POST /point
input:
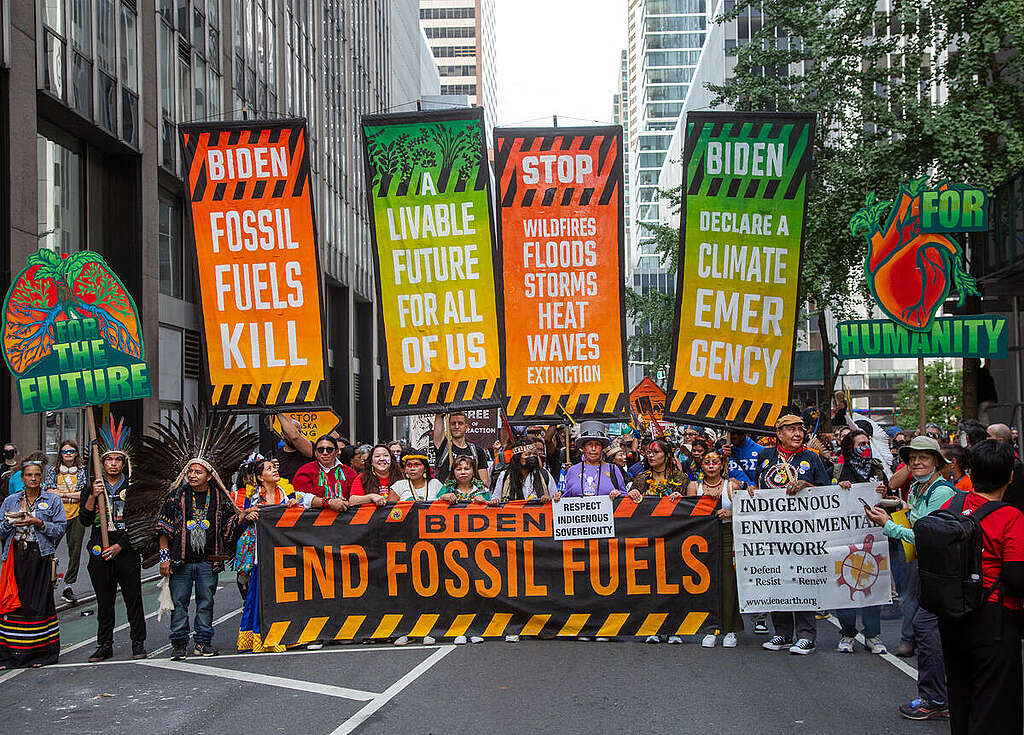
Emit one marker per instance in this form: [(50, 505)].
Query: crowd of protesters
[(964, 666)]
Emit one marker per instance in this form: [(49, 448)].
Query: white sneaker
[(428, 640), (459, 640), (845, 644), (776, 643), (314, 646), (674, 639), (476, 639), (802, 647), (709, 641), (512, 639), (653, 639), (875, 645), (601, 639), (402, 641), (729, 641)]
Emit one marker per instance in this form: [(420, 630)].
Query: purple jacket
[(597, 479)]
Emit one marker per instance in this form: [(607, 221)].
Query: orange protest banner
[(562, 240), (256, 243)]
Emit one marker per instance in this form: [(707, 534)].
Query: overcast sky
[(558, 57)]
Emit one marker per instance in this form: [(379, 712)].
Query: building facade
[(461, 34), (91, 96)]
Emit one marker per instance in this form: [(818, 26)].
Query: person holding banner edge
[(326, 477), (419, 484), (592, 476), (790, 465), (374, 484), (525, 478)]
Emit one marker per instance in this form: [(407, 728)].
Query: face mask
[(865, 452), (531, 463), (10, 453), (923, 476)]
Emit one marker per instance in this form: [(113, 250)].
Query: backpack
[(949, 547)]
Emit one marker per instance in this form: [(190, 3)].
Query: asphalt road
[(564, 687)]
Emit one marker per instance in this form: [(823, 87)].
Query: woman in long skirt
[(32, 523)]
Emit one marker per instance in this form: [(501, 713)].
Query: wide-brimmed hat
[(592, 431), (923, 444)]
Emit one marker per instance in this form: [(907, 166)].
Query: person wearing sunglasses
[(326, 478), (8, 469), (68, 478)]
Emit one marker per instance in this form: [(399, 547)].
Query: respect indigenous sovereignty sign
[(432, 569), (429, 201), (912, 265), (72, 335), (744, 205), (563, 249), (251, 208), (815, 550)]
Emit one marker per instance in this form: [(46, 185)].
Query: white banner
[(589, 517), (815, 550)]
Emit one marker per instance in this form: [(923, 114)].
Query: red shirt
[(334, 483), (1004, 541), (357, 487)]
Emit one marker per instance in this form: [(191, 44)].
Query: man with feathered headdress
[(119, 564), (181, 501)]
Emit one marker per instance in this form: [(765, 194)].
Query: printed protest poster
[(421, 569), (560, 224), (252, 217), (815, 550), (72, 335), (742, 230), (587, 517), (483, 427), (312, 424), (429, 200)]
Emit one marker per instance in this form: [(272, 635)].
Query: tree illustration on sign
[(457, 150), (453, 148), (56, 287)]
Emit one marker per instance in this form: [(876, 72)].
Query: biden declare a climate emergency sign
[(256, 245), (421, 569), (744, 202)]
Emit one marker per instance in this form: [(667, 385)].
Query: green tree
[(943, 396)]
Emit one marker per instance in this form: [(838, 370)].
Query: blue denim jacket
[(49, 509)]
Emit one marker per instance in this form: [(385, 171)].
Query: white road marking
[(216, 622), (87, 641), (11, 674), (251, 678), (894, 660), (392, 691)]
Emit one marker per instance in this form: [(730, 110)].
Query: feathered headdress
[(218, 442), (115, 439)]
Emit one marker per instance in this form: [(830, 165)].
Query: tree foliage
[(943, 397)]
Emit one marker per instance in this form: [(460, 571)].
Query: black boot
[(139, 650), (101, 654)]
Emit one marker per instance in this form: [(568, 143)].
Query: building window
[(169, 242), (458, 89), (446, 13), (60, 199)]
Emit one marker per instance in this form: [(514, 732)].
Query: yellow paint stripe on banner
[(387, 626), (716, 403), (652, 624), (534, 625), (275, 634), (272, 392), (217, 390), (312, 630), (461, 625), (293, 392), (314, 386), (691, 623), (613, 624), (498, 623), (349, 627), (574, 624), (424, 625), (235, 394)]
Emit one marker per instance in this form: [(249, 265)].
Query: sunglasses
[(69, 451), (325, 450)]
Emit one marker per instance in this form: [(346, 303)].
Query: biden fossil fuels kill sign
[(256, 245), (744, 202)]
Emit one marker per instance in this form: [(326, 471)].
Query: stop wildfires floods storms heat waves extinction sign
[(256, 245), (744, 206), (562, 235), (428, 191)]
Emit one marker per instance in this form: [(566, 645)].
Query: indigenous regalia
[(30, 635)]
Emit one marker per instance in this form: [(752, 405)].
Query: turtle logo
[(909, 272), (860, 568), (779, 476)]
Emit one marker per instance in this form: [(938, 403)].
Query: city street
[(535, 686)]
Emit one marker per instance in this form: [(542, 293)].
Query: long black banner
[(432, 569)]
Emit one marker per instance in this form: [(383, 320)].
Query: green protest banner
[(983, 336), (72, 335)]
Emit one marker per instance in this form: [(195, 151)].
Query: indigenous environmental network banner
[(742, 235), (563, 245), (432, 569), (256, 243), (434, 253), (815, 550)]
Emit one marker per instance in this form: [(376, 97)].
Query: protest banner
[(562, 240), (744, 204), (483, 426), (312, 424), (647, 402), (251, 210), (588, 517), (432, 569), (982, 335), (429, 200), (815, 550), (72, 335)]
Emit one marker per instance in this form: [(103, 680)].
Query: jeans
[(185, 576), (931, 671), (871, 617), (909, 603)]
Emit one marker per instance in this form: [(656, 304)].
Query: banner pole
[(922, 413), (98, 469)]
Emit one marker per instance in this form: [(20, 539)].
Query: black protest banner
[(433, 569)]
